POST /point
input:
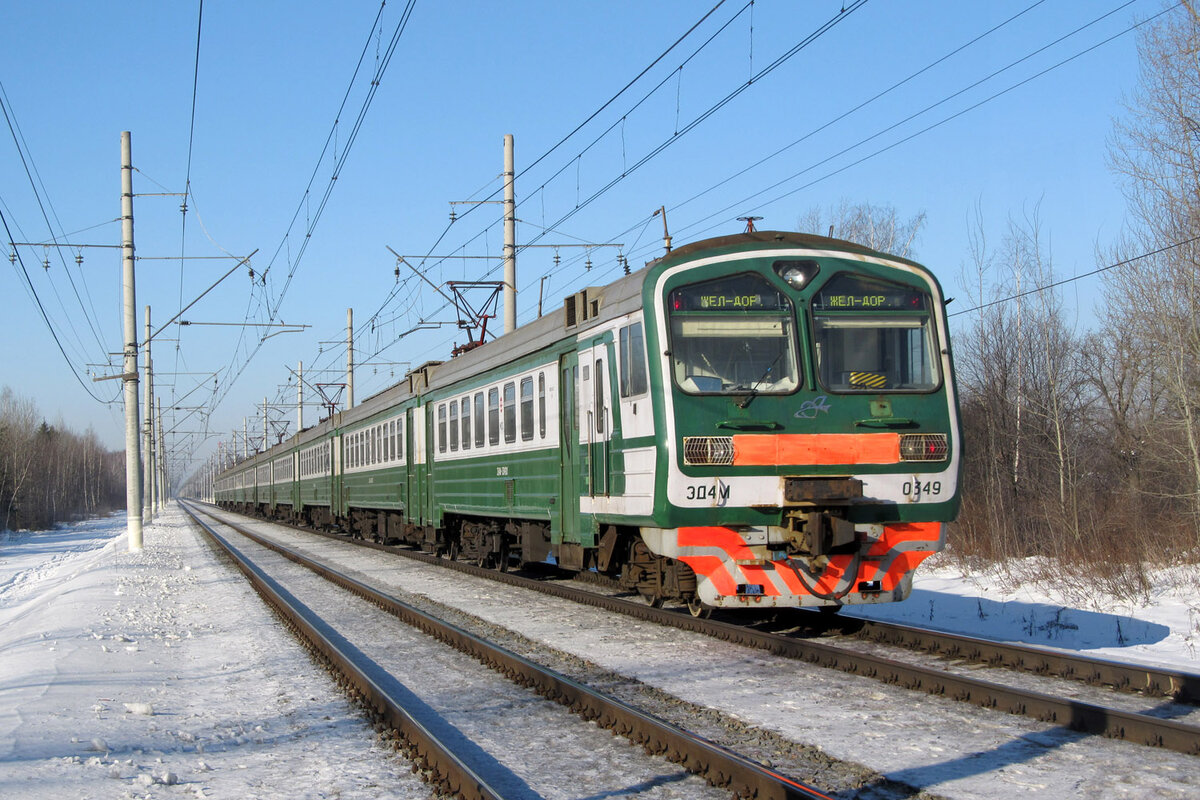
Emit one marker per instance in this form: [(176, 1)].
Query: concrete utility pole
[(266, 433), (163, 490), (510, 238), (133, 453), (148, 431), (349, 358), (299, 396)]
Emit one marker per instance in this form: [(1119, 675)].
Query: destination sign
[(858, 293), (748, 292)]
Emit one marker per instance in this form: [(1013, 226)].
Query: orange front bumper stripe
[(763, 450)]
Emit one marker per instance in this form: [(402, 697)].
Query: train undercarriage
[(501, 544)]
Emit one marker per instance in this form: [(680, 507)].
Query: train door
[(419, 476), (335, 476), (412, 506), (598, 419), (428, 447), (568, 434)]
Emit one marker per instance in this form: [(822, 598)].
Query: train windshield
[(733, 336), (873, 336)]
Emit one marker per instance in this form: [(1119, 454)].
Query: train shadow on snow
[(1017, 621)]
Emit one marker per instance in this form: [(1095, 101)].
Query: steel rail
[(744, 777), (1184, 687), (449, 772), (1123, 676), (1076, 715)]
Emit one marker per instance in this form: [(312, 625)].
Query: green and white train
[(764, 419)]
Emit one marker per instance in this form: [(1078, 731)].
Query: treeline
[(1086, 445), (50, 474), (1081, 446)]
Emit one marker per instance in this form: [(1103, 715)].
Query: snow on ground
[(1162, 630), (160, 674)]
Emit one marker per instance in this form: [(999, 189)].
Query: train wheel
[(697, 609), (653, 600)]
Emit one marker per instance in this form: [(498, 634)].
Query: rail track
[(441, 760), (1086, 717)]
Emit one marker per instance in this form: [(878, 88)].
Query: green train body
[(766, 419)]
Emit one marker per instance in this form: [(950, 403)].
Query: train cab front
[(810, 450)]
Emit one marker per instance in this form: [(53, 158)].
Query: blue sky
[(268, 85)]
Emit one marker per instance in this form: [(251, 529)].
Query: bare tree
[(877, 227), (1025, 404), (18, 417), (1156, 300)]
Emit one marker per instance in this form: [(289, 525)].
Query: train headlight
[(798, 274), (924, 447)]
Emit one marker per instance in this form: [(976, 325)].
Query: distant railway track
[(439, 760), (1076, 715)]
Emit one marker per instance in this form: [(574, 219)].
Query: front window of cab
[(733, 335), (874, 336)]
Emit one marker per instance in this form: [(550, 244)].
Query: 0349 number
[(919, 489)]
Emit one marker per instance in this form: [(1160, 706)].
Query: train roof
[(612, 300), (764, 239)]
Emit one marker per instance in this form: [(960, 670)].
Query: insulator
[(46, 264), (79, 259), (453, 216), (183, 207), (251, 273), (557, 258), (12, 257), (588, 264)]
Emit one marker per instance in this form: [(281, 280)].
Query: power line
[(187, 182), (861, 105), (741, 203), (46, 319), (30, 171), (779, 61), (1072, 279), (340, 160)]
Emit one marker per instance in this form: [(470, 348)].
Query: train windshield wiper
[(745, 402)]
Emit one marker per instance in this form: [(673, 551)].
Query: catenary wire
[(30, 171), (46, 319)]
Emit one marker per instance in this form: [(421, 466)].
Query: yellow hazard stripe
[(871, 379)]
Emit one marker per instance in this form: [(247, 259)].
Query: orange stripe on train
[(717, 568), (760, 450)]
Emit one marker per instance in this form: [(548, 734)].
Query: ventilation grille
[(699, 450)]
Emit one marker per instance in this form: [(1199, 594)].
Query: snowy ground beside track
[(160, 674)]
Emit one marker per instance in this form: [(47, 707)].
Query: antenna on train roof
[(666, 236)]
